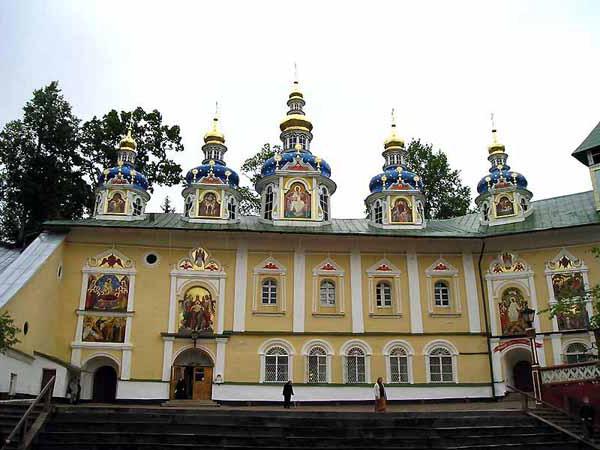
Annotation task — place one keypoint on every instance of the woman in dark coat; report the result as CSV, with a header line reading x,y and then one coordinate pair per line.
x,y
288,391
180,393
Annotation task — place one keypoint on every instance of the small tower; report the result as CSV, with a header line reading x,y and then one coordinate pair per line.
x,y
503,195
210,193
396,200
122,190
296,185
588,153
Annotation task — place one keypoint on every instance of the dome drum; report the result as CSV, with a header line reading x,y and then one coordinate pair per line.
x,y
120,202
396,209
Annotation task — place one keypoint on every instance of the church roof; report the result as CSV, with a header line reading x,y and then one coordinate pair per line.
x,y
589,143
567,211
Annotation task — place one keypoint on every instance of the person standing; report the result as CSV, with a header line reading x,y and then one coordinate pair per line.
x,y
288,391
180,390
586,412
73,389
380,395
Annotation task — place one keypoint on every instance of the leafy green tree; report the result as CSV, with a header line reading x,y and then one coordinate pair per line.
x,y
250,200
40,167
100,139
8,332
445,195
166,206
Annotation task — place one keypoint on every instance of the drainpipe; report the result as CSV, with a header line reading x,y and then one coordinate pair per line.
x,y
487,322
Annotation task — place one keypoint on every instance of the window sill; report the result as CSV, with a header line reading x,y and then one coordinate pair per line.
x,y
328,314
384,315
268,313
445,314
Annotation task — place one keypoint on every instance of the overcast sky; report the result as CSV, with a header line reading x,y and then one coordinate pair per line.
x,y
445,66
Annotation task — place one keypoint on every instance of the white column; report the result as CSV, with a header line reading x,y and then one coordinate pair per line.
x,y
556,348
358,324
241,281
299,288
534,304
221,307
542,350
471,292
126,365
414,292
492,308
498,376
167,357
172,305
220,358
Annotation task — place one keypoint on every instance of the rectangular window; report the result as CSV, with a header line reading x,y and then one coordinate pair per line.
x,y
440,369
269,292
442,295
276,368
384,295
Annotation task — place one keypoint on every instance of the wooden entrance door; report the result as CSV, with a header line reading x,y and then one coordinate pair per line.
x,y
522,376
202,383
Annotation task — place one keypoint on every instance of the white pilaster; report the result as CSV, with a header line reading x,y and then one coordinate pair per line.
x,y
167,357
492,308
534,304
241,281
358,324
221,307
556,348
542,350
172,305
220,359
299,288
414,291
126,365
471,292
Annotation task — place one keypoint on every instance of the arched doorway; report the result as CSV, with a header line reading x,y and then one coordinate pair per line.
x,y
517,368
522,376
105,385
191,375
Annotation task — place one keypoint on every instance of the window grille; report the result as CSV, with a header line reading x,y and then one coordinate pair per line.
x,y
384,294
440,366
327,293
378,212
355,366
324,200
441,294
268,213
231,208
276,364
269,292
398,366
576,353
137,207
317,365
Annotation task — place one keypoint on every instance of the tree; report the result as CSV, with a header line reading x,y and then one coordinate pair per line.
x,y
445,195
166,206
8,332
100,139
40,167
250,200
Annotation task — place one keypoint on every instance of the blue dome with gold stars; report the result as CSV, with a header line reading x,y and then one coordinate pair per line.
x,y
124,174
403,179
213,173
302,158
499,178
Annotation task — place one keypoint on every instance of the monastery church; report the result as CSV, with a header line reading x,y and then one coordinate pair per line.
x,y
129,302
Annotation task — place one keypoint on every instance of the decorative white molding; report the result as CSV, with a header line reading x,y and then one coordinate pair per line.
x,y
358,324
471,293
241,281
387,350
299,290
273,269
414,292
442,270
275,342
220,359
384,270
367,350
570,373
305,352
328,269
167,357
453,353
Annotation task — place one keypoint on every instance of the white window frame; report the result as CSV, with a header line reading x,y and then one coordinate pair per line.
x,y
269,202
328,269
367,352
441,294
327,287
276,271
262,352
442,270
452,353
272,287
306,349
384,297
376,273
387,352
324,202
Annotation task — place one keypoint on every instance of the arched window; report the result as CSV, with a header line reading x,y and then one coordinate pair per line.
x,y
576,352
485,209
398,365
383,294
268,213
327,293
524,205
441,293
378,212
317,365
188,205
269,292
276,364
355,365
137,207
324,201
231,208
441,367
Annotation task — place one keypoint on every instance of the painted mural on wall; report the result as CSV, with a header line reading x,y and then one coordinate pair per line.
x,y
210,205
197,310
103,329
116,204
107,292
567,285
297,202
401,211
199,259
511,306
504,206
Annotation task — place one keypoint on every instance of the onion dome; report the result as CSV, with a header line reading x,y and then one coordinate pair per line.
x,y
500,174
124,173
213,169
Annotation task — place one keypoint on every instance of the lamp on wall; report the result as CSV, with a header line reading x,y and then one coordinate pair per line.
x,y
529,316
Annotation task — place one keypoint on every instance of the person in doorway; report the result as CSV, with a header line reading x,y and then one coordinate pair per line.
x,y
180,393
586,412
288,391
380,395
73,390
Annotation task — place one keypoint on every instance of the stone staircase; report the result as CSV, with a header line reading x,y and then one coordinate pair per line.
x,y
10,414
560,419
120,428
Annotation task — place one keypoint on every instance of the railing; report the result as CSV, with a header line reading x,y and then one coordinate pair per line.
x,y
526,396
567,373
23,433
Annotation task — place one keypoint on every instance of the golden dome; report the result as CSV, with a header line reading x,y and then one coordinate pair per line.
x,y
393,140
299,121
495,146
128,142
214,135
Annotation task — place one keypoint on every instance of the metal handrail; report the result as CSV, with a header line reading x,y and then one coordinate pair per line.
x,y
20,430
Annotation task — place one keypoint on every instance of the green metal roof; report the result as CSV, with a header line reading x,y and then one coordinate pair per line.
x,y
589,143
559,212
